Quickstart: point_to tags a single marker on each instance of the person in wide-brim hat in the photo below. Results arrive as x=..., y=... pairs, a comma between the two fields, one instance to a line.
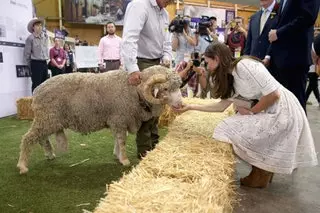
x=32, y=22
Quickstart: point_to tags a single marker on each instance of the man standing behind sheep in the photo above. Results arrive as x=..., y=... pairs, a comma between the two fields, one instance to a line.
x=146, y=42
x=109, y=49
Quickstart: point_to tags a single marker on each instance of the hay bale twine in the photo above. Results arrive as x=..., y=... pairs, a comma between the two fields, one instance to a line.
x=24, y=109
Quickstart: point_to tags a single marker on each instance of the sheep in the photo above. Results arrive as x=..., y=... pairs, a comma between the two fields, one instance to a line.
x=87, y=102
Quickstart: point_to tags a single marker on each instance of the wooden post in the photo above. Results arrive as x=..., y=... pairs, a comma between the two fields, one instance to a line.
x=60, y=14
x=236, y=10
x=104, y=29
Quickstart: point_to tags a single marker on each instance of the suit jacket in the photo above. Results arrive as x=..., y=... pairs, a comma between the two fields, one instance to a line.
x=295, y=26
x=258, y=44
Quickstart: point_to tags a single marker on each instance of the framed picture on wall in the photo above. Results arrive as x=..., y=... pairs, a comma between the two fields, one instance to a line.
x=95, y=11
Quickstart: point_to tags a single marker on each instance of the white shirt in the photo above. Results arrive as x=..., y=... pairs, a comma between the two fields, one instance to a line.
x=283, y=5
x=269, y=9
x=312, y=68
x=145, y=33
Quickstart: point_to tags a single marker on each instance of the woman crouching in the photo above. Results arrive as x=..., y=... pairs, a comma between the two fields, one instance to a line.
x=274, y=134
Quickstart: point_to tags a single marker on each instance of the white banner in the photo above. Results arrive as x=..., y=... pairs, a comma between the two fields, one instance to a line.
x=86, y=56
x=14, y=18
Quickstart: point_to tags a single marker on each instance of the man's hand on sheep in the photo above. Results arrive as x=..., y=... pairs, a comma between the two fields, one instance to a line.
x=134, y=78
x=166, y=63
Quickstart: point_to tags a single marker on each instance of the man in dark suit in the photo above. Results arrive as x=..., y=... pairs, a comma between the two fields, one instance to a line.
x=291, y=40
x=259, y=28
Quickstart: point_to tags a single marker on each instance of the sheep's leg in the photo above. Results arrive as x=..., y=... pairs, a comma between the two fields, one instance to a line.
x=48, y=150
x=32, y=137
x=62, y=142
x=121, y=143
x=116, y=149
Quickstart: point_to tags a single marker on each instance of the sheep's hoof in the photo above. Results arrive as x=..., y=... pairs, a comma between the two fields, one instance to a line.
x=23, y=169
x=125, y=162
x=50, y=156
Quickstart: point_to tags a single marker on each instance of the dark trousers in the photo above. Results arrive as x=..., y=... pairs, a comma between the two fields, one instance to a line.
x=147, y=135
x=313, y=86
x=56, y=71
x=39, y=72
x=111, y=65
x=295, y=80
x=68, y=69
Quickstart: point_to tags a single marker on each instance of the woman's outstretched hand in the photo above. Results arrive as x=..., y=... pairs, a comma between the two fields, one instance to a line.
x=182, y=109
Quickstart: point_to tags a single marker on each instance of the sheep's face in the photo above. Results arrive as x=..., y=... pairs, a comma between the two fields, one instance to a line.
x=170, y=92
x=174, y=99
x=163, y=87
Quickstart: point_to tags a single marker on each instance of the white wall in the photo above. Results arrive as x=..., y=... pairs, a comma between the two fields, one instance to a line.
x=14, y=17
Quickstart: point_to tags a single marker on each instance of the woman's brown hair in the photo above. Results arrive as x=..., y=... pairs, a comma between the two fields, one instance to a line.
x=222, y=77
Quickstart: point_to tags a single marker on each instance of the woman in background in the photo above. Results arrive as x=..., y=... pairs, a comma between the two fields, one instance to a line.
x=69, y=58
x=57, y=58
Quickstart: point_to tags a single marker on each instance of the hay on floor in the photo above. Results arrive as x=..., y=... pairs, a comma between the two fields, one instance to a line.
x=24, y=109
x=188, y=171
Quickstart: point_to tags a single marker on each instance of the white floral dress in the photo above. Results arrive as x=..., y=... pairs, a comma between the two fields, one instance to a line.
x=277, y=140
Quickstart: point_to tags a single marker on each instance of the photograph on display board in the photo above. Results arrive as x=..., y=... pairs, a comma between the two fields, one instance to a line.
x=2, y=31
x=95, y=11
x=23, y=71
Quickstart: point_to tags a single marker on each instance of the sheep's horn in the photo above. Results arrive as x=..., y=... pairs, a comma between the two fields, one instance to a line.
x=147, y=90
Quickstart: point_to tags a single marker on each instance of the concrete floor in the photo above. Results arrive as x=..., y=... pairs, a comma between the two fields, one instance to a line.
x=296, y=193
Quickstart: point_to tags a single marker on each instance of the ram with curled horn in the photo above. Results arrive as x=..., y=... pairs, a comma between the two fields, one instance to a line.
x=87, y=102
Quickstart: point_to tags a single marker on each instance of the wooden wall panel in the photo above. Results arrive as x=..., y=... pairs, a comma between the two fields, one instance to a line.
x=171, y=10
x=90, y=33
x=46, y=8
x=196, y=1
x=245, y=15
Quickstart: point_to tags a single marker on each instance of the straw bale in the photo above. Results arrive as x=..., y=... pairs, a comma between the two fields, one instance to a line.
x=24, y=109
x=191, y=159
x=188, y=171
x=141, y=192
